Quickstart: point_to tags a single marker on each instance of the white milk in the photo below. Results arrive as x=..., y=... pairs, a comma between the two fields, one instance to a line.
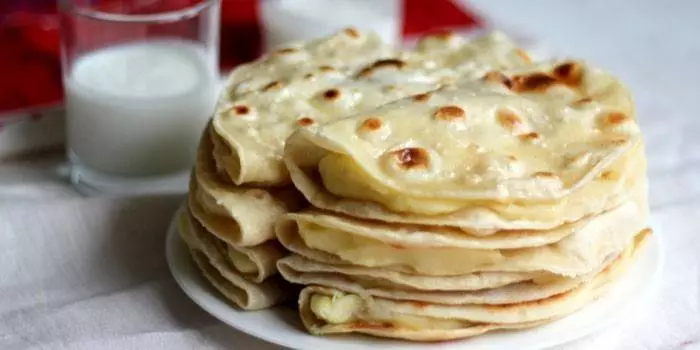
x=139, y=109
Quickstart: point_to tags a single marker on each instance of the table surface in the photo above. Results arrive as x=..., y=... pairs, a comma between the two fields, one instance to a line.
x=64, y=286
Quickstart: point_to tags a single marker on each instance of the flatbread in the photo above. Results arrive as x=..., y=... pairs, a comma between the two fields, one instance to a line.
x=533, y=289
x=306, y=84
x=481, y=170
x=294, y=266
x=241, y=292
x=234, y=286
x=255, y=263
x=406, y=236
x=577, y=254
x=455, y=330
x=449, y=146
x=238, y=215
x=351, y=313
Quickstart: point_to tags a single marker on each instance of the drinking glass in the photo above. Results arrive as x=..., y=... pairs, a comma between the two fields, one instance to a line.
x=140, y=79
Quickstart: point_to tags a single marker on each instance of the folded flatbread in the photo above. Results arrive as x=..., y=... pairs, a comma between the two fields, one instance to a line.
x=295, y=268
x=242, y=289
x=255, y=263
x=533, y=289
x=577, y=254
x=238, y=215
x=306, y=84
x=329, y=310
x=533, y=148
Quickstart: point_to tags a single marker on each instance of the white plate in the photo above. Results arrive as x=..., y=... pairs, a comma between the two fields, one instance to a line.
x=281, y=325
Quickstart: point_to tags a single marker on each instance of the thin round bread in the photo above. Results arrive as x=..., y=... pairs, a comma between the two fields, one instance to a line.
x=406, y=236
x=255, y=263
x=459, y=330
x=423, y=321
x=241, y=291
x=517, y=183
x=294, y=266
x=306, y=84
x=576, y=254
x=486, y=140
x=534, y=289
x=239, y=215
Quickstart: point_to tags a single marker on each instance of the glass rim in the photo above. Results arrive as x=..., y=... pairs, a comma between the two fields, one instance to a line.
x=165, y=16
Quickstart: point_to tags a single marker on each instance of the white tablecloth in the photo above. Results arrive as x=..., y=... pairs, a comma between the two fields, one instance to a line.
x=81, y=273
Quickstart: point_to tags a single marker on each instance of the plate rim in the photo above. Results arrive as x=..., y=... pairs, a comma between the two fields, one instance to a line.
x=173, y=238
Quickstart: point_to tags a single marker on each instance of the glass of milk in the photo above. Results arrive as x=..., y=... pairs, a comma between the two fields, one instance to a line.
x=141, y=79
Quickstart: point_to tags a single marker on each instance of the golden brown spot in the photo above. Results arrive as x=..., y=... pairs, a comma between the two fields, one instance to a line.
x=272, y=85
x=582, y=101
x=509, y=119
x=389, y=62
x=371, y=124
x=522, y=54
x=498, y=77
x=530, y=137
x=326, y=69
x=607, y=175
x=613, y=118
x=569, y=73
x=512, y=157
x=544, y=174
x=365, y=72
x=241, y=109
x=306, y=121
x=449, y=113
x=493, y=76
x=352, y=32
x=421, y=97
x=536, y=82
x=286, y=50
x=412, y=157
x=308, y=76
x=331, y=94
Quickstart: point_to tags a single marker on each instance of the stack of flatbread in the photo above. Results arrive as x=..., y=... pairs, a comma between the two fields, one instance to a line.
x=240, y=185
x=498, y=202
x=230, y=231
x=454, y=189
